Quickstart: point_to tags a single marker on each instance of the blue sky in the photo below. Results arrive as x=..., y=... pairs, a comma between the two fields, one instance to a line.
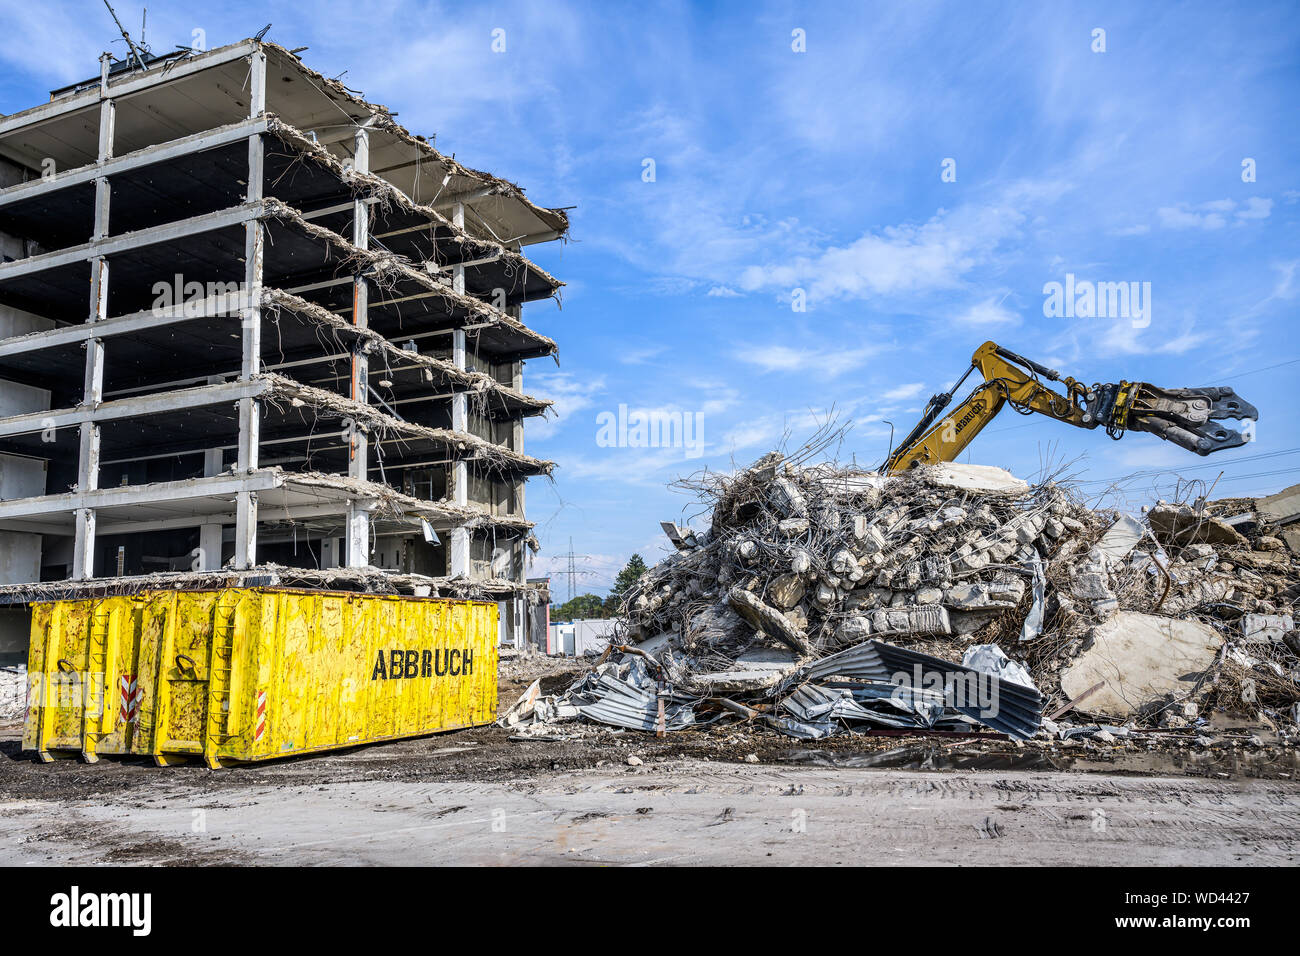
x=821, y=170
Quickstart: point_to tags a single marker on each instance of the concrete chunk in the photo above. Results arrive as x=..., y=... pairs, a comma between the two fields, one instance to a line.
x=854, y=631
x=756, y=668
x=918, y=619
x=793, y=526
x=786, y=591
x=787, y=498
x=1140, y=659
x=1091, y=586
x=1120, y=539
x=985, y=479
x=769, y=620
x=1283, y=507
x=1180, y=525
x=980, y=594
x=1265, y=628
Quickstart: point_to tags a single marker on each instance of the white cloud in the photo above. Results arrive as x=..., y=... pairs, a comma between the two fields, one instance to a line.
x=640, y=356
x=1213, y=214
x=751, y=433
x=911, y=390
x=644, y=467
x=570, y=393
x=1285, y=288
x=784, y=358
x=988, y=312
x=1185, y=216
x=1121, y=338
x=1255, y=208
x=764, y=433
x=897, y=259
x=719, y=401
x=59, y=43
x=723, y=292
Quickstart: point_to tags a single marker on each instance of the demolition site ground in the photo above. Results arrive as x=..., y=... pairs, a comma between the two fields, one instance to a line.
x=721, y=795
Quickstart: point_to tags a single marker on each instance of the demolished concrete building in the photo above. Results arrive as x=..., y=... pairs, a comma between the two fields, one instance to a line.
x=252, y=331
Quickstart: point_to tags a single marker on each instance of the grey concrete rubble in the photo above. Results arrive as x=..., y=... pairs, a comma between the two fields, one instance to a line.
x=13, y=692
x=780, y=611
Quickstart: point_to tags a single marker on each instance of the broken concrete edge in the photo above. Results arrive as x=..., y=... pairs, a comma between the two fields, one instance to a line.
x=366, y=185
x=368, y=580
x=1179, y=526
x=269, y=386
x=352, y=106
x=556, y=218
x=335, y=405
x=400, y=505
x=472, y=380
x=383, y=500
x=1281, y=509
x=982, y=479
x=384, y=269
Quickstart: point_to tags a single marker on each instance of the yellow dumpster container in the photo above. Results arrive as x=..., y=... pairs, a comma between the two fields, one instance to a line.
x=254, y=673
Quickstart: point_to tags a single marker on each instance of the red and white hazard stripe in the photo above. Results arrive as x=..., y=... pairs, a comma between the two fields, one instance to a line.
x=261, y=716
x=131, y=693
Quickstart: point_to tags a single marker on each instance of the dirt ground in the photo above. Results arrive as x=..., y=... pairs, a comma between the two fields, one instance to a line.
x=476, y=796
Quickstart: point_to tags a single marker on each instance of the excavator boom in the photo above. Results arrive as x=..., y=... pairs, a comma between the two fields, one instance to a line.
x=1190, y=417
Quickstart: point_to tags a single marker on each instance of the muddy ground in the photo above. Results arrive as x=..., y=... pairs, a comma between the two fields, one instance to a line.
x=488, y=754
x=558, y=801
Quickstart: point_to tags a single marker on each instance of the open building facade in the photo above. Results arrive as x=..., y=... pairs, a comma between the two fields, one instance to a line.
x=253, y=332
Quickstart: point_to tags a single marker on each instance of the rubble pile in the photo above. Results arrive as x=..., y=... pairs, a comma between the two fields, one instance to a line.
x=13, y=692
x=823, y=600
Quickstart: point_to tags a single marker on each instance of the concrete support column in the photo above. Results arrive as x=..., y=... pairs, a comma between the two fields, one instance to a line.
x=459, y=353
x=458, y=554
x=210, y=534
x=357, y=542
x=250, y=317
x=518, y=622
x=257, y=85
x=83, y=549
x=458, y=558
x=209, y=547
x=83, y=555
x=517, y=445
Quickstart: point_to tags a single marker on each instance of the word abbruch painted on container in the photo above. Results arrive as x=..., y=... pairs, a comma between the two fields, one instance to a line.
x=401, y=663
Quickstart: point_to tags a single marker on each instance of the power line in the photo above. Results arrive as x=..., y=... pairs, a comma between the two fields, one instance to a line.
x=1155, y=472
x=1259, y=474
x=1266, y=368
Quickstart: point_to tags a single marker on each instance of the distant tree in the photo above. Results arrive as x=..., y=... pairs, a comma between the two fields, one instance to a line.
x=583, y=607
x=624, y=583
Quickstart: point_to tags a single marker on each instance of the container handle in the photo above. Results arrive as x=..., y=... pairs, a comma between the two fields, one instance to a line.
x=192, y=667
x=65, y=665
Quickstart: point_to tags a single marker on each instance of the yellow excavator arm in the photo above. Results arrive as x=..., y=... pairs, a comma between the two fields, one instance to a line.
x=1186, y=416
